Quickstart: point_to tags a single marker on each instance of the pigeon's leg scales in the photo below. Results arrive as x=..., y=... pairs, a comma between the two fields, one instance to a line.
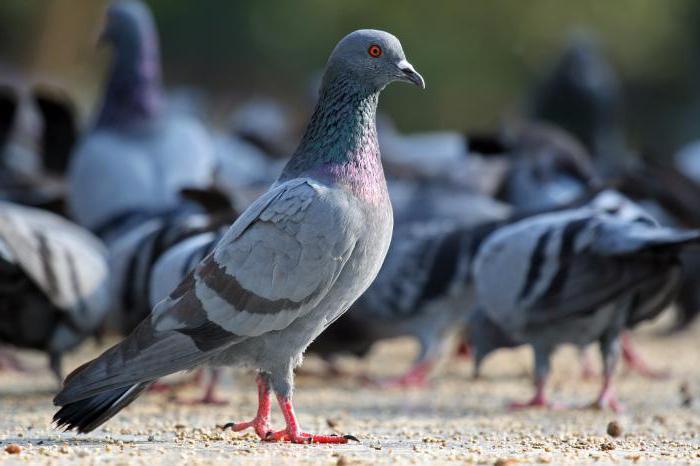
x=292, y=433
x=636, y=363
x=261, y=421
x=209, y=397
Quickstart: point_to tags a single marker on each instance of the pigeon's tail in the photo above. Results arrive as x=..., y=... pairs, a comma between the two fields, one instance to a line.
x=87, y=414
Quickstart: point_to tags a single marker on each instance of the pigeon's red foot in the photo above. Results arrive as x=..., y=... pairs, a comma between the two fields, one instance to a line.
x=607, y=398
x=636, y=363
x=607, y=402
x=416, y=377
x=292, y=432
x=535, y=403
x=261, y=426
x=261, y=421
x=303, y=437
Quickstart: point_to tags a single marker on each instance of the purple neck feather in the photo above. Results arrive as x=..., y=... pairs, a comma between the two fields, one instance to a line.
x=134, y=92
x=340, y=144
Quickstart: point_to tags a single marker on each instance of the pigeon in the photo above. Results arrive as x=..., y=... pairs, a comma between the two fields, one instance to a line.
x=575, y=276
x=582, y=94
x=135, y=160
x=37, y=130
x=289, y=266
x=548, y=167
x=424, y=290
x=53, y=282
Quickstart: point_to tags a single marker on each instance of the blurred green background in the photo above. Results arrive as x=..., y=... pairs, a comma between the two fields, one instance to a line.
x=479, y=58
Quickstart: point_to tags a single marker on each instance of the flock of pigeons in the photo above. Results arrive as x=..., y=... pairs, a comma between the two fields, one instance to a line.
x=217, y=251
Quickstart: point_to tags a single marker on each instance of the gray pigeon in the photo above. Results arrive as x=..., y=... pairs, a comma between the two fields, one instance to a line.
x=137, y=158
x=575, y=276
x=548, y=167
x=53, y=282
x=291, y=264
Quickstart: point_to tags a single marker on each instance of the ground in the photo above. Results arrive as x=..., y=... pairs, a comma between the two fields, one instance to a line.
x=455, y=420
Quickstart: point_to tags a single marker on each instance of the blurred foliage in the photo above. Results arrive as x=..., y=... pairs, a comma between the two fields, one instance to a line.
x=479, y=58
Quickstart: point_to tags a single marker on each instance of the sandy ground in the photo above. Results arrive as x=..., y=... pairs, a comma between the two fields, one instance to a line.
x=455, y=420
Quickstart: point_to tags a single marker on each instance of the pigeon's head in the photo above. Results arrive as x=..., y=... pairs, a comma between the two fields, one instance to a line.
x=128, y=25
x=372, y=59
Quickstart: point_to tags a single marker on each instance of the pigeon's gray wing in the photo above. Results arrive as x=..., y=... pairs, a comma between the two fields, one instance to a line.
x=566, y=264
x=268, y=271
x=276, y=262
x=66, y=262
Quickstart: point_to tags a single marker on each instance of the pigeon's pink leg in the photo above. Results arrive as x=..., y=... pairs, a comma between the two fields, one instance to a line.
x=607, y=397
x=636, y=363
x=416, y=376
x=261, y=422
x=538, y=401
x=292, y=432
x=209, y=397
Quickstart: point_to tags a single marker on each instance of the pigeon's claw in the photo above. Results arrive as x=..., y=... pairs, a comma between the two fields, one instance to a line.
x=261, y=422
x=293, y=434
x=286, y=435
x=260, y=425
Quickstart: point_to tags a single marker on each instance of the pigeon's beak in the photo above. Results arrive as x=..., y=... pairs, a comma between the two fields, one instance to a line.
x=409, y=74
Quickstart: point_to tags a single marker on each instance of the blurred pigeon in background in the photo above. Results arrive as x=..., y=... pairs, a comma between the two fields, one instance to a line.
x=548, y=167
x=291, y=264
x=132, y=165
x=575, y=276
x=38, y=130
x=582, y=94
x=53, y=282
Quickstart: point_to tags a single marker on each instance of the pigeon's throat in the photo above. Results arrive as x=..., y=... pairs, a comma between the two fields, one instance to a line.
x=340, y=144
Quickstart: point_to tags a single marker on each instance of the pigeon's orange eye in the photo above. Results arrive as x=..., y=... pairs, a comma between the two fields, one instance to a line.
x=374, y=51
